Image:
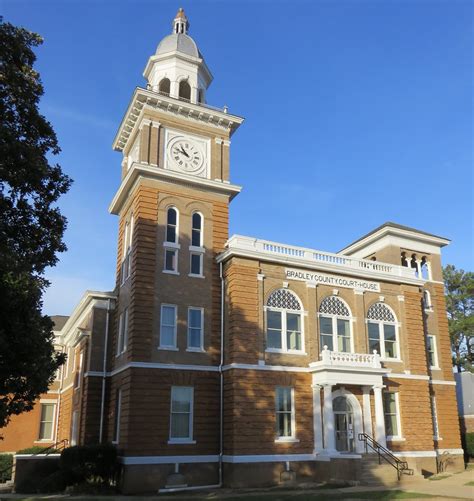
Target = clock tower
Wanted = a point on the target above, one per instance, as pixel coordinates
(172, 204)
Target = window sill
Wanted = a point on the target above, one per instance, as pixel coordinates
(397, 360)
(43, 441)
(435, 368)
(168, 348)
(286, 440)
(183, 441)
(171, 245)
(282, 352)
(192, 275)
(437, 438)
(428, 310)
(193, 248)
(120, 354)
(196, 350)
(395, 439)
(171, 272)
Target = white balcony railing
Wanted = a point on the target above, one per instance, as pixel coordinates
(350, 359)
(290, 251)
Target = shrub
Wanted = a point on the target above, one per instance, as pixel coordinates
(469, 447)
(56, 482)
(37, 449)
(6, 464)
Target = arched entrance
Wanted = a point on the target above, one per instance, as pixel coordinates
(343, 424)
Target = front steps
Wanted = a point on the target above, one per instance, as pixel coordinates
(372, 473)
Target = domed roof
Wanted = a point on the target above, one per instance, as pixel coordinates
(178, 42)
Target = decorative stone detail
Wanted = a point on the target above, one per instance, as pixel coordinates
(381, 312)
(284, 299)
(350, 359)
(332, 305)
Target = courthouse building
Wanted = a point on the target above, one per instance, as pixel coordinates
(240, 360)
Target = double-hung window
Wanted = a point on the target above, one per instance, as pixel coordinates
(196, 249)
(47, 421)
(181, 414)
(171, 245)
(431, 351)
(118, 411)
(195, 329)
(434, 414)
(382, 330)
(168, 326)
(335, 324)
(392, 415)
(122, 340)
(126, 267)
(284, 322)
(284, 414)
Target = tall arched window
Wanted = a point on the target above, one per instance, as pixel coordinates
(382, 327)
(284, 322)
(164, 86)
(172, 226)
(196, 232)
(335, 324)
(184, 90)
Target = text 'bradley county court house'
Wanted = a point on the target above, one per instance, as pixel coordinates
(237, 359)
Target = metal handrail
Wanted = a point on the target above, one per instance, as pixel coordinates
(384, 453)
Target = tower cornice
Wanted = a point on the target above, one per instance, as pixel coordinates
(144, 99)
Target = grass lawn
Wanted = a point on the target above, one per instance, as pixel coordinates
(470, 483)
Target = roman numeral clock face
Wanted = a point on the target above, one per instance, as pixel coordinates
(186, 155)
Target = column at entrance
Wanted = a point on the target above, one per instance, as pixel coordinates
(317, 419)
(329, 432)
(367, 411)
(379, 416)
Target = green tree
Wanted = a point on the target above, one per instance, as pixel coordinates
(459, 290)
(31, 225)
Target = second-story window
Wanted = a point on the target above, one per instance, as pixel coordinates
(195, 329)
(382, 328)
(126, 267)
(431, 351)
(122, 340)
(284, 322)
(196, 237)
(168, 326)
(172, 226)
(335, 324)
(196, 249)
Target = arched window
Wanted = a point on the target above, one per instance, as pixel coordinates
(284, 322)
(196, 232)
(184, 90)
(382, 328)
(172, 226)
(426, 300)
(164, 86)
(335, 324)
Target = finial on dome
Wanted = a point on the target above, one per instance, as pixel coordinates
(180, 22)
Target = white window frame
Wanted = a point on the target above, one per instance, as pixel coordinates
(78, 375)
(201, 231)
(334, 319)
(284, 342)
(122, 340)
(126, 266)
(53, 423)
(292, 437)
(74, 428)
(174, 346)
(175, 250)
(166, 241)
(189, 439)
(380, 324)
(434, 415)
(427, 303)
(201, 346)
(399, 436)
(435, 351)
(118, 415)
(196, 251)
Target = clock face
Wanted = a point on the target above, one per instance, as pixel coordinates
(186, 155)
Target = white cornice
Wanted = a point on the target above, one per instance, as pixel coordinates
(195, 112)
(140, 171)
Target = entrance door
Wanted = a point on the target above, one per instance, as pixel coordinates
(344, 424)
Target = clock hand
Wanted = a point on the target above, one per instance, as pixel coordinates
(184, 153)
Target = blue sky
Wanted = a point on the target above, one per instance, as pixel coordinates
(357, 112)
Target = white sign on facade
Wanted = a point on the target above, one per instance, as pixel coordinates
(333, 280)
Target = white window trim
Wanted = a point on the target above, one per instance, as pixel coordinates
(172, 347)
(284, 348)
(189, 439)
(201, 347)
(54, 403)
(292, 438)
(399, 437)
(118, 417)
(201, 231)
(334, 330)
(123, 333)
(427, 305)
(381, 323)
(201, 264)
(126, 265)
(176, 250)
(176, 242)
(434, 415)
(435, 352)
(79, 371)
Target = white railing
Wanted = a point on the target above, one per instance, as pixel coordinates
(350, 359)
(256, 245)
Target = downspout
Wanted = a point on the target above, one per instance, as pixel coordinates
(104, 374)
(58, 410)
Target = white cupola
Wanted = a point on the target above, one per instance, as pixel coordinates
(177, 69)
